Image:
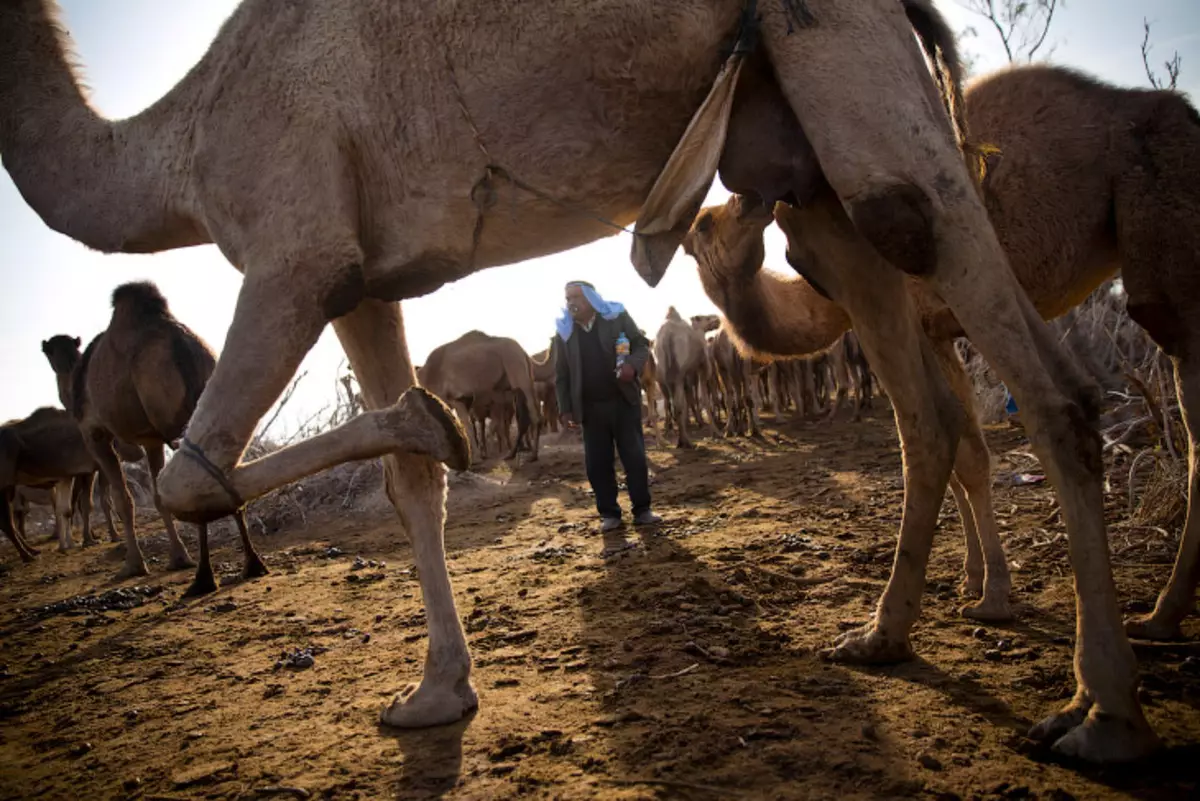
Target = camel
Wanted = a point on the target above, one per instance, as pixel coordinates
(1078, 167)
(682, 360)
(649, 380)
(740, 382)
(139, 380)
(383, 173)
(62, 352)
(544, 378)
(843, 380)
(477, 364)
(44, 449)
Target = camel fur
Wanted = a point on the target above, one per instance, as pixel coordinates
(381, 173)
(477, 365)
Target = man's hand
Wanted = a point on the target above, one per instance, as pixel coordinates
(626, 373)
(567, 419)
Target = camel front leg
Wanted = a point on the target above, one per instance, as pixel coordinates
(987, 564)
(881, 134)
(269, 336)
(929, 418)
(100, 445)
(373, 338)
(81, 501)
(180, 558)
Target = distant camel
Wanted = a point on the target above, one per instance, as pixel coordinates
(544, 376)
(139, 380)
(479, 364)
(681, 356)
(43, 449)
(62, 352)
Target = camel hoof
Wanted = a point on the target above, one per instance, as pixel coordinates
(1153, 627)
(254, 568)
(133, 567)
(994, 608)
(202, 584)
(419, 707)
(1102, 738)
(65, 548)
(867, 645)
(29, 555)
(455, 452)
(971, 586)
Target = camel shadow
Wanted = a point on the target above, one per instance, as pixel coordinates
(699, 695)
(432, 758)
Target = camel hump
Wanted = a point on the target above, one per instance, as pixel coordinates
(140, 300)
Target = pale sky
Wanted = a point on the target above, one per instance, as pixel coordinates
(133, 51)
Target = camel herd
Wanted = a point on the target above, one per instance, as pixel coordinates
(341, 174)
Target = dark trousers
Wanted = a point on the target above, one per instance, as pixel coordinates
(618, 423)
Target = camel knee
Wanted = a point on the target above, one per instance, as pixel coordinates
(897, 219)
(1066, 429)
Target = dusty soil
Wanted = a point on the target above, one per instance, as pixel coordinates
(687, 666)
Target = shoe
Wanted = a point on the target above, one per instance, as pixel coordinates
(608, 524)
(646, 518)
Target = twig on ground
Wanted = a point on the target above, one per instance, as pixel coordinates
(678, 785)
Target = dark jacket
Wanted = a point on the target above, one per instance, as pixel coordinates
(568, 364)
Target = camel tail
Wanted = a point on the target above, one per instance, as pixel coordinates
(940, 46)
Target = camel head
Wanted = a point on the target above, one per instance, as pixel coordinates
(706, 322)
(727, 241)
(62, 352)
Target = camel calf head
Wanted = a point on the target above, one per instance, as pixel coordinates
(727, 241)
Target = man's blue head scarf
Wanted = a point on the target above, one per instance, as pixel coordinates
(608, 309)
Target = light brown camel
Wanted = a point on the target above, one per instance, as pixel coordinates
(44, 449)
(477, 364)
(139, 380)
(382, 173)
(770, 316)
(682, 360)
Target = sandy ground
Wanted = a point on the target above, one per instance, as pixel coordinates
(686, 666)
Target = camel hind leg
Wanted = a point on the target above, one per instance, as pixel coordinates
(1178, 598)
(416, 486)
(24, 550)
(905, 185)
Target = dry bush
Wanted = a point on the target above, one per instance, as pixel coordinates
(1141, 422)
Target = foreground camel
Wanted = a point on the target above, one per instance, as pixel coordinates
(139, 380)
(382, 173)
(1062, 246)
(477, 364)
(45, 449)
(681, 357)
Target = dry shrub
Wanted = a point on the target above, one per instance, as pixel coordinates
(1162, 496)
(1141, 419)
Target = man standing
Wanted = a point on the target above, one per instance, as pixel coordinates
(598, 358)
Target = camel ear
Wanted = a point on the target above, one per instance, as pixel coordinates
(77, 341)
(46, 346)
(679, 191)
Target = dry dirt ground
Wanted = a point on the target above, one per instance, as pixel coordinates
(686, 666)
